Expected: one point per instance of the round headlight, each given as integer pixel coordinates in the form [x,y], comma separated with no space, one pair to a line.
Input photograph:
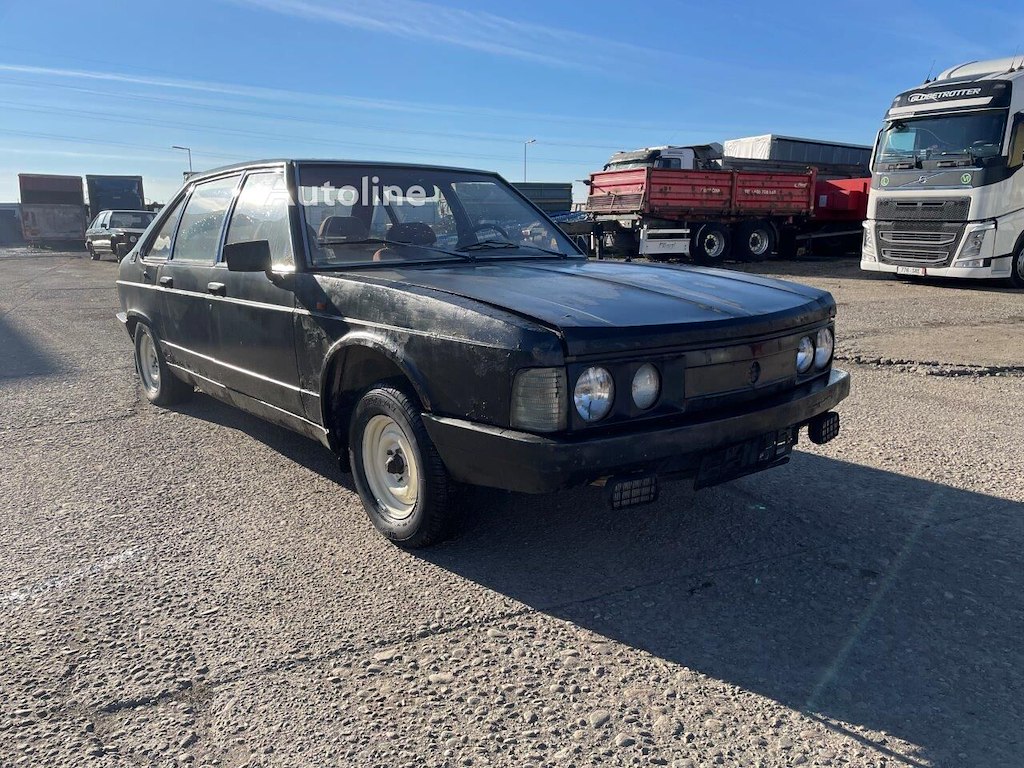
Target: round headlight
[804,355]
[646,386]
[824,347]
[593,394]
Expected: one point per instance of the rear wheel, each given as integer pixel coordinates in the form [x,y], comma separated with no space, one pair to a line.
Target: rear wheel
[160,385]
[401,479]
[755,240]
[710,246]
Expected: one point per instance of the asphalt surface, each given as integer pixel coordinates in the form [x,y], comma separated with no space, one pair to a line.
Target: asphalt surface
[194,586]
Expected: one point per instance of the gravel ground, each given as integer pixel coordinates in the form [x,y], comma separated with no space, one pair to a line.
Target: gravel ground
[196,587]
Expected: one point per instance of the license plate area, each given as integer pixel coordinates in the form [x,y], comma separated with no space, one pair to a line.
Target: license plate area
[916,271]
[768,450]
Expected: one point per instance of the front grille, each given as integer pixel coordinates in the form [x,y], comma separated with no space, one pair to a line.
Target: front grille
[920,232]
[928,209]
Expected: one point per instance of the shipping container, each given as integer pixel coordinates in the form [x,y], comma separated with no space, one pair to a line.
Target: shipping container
[114,193]
[550,197]
[52,208]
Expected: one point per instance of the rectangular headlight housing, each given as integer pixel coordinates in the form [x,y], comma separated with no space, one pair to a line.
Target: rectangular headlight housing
[975,241]
[539,400]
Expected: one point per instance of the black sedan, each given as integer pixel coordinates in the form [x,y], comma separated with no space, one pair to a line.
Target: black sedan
[116,232]
[433,327]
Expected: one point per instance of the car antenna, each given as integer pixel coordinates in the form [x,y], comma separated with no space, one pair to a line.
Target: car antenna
[928,77]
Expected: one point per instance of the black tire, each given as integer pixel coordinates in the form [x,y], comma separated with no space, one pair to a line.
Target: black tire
[711,245]
[432,514]
[1017,269]
[755,241]
[159,384]
[92,252]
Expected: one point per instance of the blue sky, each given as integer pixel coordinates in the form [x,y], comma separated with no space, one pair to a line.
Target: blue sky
[109,87]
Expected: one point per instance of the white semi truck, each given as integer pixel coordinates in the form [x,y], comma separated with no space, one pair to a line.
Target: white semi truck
[947,189]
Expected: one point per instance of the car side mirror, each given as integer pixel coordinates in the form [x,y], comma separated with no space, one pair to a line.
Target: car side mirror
[105,225]
[248,256]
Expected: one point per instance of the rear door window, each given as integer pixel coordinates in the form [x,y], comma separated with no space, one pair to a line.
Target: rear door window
[202,221]
[261,213]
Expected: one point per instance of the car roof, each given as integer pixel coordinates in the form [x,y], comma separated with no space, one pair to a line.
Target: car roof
[125,210]
[342,163]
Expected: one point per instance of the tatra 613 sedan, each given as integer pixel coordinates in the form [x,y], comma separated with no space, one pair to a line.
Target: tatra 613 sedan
[433,327]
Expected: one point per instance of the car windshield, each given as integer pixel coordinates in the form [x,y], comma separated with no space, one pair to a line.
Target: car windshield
[131,219]
[365,215]
[973,136]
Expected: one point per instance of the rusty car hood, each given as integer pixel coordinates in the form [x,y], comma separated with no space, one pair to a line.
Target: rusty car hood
[613,307]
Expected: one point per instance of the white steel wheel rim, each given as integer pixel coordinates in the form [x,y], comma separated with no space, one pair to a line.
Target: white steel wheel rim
[149,363]
[390,465]
[1020,264]
[714,244]
[758,242]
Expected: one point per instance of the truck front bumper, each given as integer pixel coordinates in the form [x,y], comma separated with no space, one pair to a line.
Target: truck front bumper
[480,454]
[998,267]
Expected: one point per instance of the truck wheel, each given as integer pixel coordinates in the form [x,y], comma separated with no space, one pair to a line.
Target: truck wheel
[755,240]
[402,482]
[711,245]
[160,385]
[1017,271]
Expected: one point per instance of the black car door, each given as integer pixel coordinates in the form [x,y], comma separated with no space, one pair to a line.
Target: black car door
[188,309]
[256,338]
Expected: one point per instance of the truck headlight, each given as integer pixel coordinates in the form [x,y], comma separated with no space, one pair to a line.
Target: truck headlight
[867,244]
[594,393]
[538,400]
[824,346]
[646,386]
[974,242]
[804,355]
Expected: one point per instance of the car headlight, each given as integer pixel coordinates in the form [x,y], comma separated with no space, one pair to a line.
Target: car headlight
[824,346]
[867,245]
[593,394]
[974,241]
[646,386]
[804,355]
[538,400]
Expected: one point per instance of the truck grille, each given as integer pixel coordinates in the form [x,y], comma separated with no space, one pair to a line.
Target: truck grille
[920,232]
[928,209]
[607,203]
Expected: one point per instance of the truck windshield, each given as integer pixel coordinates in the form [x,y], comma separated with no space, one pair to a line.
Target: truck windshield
[364,214]
[973,136]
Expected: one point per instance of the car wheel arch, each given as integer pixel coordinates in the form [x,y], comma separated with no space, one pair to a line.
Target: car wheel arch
[353,364]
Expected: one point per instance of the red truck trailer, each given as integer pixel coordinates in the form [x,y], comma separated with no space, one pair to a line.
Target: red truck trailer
[52,208]
[650,203]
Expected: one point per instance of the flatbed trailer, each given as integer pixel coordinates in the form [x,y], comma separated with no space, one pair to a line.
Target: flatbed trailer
[713,215]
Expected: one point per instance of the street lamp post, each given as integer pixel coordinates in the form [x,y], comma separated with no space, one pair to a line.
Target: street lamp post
[189,150]
[526,143]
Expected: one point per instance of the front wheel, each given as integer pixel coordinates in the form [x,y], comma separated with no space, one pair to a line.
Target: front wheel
[92,252]
[711,245]
[160,385]
[1017,270]
[402,482]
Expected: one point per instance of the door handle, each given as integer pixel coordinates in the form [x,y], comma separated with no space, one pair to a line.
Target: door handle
[217,289]
[166,281]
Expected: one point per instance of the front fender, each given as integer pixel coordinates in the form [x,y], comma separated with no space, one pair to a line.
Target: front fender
[380,344]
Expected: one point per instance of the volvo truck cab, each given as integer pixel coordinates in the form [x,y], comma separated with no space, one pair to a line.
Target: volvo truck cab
[947,191]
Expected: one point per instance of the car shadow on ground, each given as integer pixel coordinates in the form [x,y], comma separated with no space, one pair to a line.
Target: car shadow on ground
[22,357]
[301,450]
[862,597]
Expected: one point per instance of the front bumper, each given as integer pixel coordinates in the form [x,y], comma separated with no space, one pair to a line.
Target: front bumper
[998,267]
[480,454]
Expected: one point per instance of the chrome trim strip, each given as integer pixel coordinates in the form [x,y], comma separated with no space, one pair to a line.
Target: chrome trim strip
[255,375]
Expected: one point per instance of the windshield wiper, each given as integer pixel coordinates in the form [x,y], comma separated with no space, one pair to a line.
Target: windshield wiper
[501,244]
